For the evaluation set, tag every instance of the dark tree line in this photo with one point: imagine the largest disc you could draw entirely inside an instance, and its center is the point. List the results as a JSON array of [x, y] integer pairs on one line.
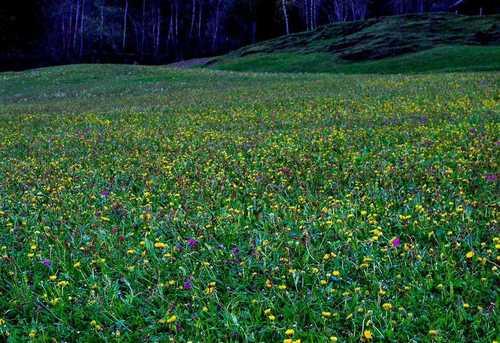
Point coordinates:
[[159, 31]]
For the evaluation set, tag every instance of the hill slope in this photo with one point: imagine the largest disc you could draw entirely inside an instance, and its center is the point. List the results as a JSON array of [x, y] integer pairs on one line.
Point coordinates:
[[419, 43]]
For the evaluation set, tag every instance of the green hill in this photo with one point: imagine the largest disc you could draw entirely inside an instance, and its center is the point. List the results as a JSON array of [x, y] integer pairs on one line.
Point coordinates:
[[410, 43]]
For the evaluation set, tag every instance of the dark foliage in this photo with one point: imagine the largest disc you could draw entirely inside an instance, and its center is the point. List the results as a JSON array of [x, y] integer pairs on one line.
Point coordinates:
[[41, 32]]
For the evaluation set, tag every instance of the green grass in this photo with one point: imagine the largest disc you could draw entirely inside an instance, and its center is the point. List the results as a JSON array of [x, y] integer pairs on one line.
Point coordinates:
[[439, 60], [152, 204], [400, 44]]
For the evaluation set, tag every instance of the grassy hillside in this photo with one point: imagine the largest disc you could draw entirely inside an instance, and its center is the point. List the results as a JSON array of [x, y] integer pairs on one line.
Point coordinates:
[[411, 43], [152, 204], [438, 60]]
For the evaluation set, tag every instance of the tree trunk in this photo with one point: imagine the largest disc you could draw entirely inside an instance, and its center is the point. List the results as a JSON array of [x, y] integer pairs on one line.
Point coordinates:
[[125, 14], [176, 7], [75, 29], [63, 28], [200, 17], [101, 27], [143, 36], [216, 28], [170, 27], [82, 28], [285, 16], [193, 17], [158, 31], [70, 28]]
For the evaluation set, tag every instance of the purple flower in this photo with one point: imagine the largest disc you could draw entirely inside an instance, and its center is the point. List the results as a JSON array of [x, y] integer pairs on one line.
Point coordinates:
[[192, 243], [491, 177], [105, 193], [188, 284], [235, 251], [46, 262], [396, 242]]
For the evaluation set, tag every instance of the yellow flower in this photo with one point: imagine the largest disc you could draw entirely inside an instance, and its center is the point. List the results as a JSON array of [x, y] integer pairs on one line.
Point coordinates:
[[2, 321], [32, 334], [326, 314], [282, 287], [336, 273], [387, 306], [77, 265], [209, 290], [433, 333], [466, 305], [53, 277], [271, 317], [160, 245], [290, 332], [367, 335], [171, 319], [267, 311], [333, 339], [470, 254]]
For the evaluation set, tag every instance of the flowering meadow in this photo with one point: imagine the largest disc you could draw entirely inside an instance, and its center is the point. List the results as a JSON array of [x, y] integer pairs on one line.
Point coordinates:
[[146, 204]]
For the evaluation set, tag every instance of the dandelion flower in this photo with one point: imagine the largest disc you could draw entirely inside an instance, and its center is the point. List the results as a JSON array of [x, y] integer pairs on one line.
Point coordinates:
[[367, 335], [433, 333], [160, 245]]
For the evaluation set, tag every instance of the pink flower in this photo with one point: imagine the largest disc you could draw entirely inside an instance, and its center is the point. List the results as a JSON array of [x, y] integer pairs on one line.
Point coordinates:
[[396, 242], [192, 243], [491, 177]]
